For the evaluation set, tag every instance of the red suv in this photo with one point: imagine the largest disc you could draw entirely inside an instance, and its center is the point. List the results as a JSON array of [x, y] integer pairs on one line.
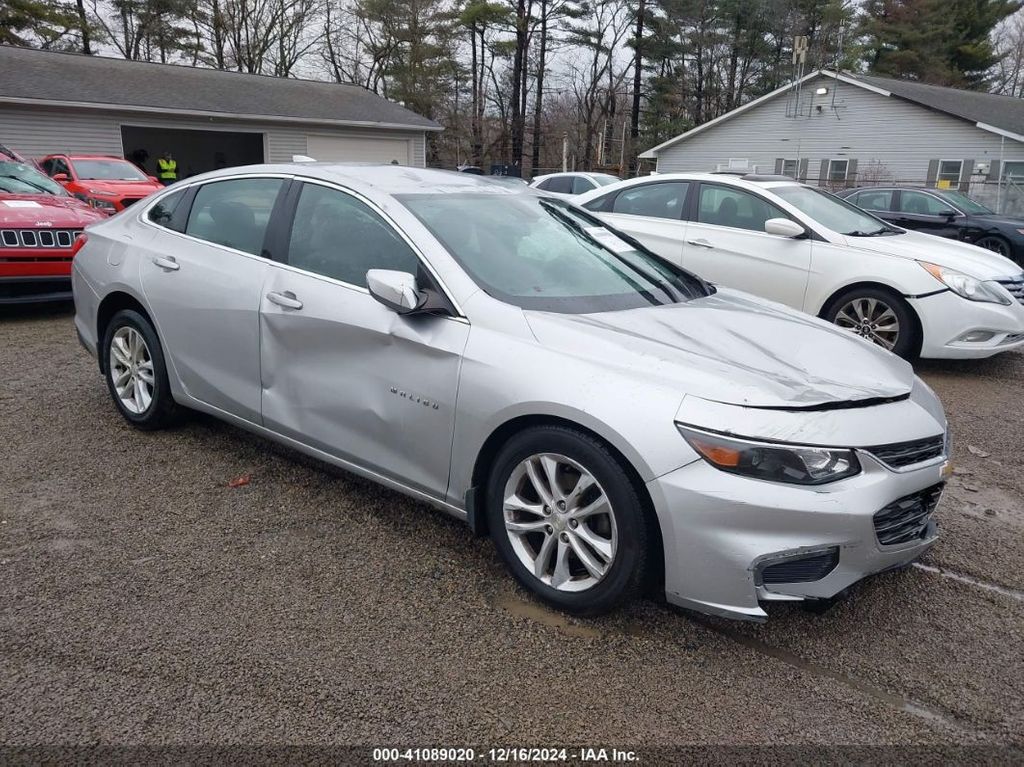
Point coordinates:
[[40, 231], [109, 184]]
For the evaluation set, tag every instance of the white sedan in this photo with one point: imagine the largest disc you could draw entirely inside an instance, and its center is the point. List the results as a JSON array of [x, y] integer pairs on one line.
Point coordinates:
[[571, 183], [913, 294]]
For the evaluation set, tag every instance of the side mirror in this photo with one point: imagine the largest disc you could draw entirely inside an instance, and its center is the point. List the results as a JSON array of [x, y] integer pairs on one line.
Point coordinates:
[[61, 177], [396, 290], [948, 214], [784, 227], [154, 179]]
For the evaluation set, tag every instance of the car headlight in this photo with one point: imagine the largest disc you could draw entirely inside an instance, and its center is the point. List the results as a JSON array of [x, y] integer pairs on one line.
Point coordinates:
[[966, 286], [773, 462], [99, 204]]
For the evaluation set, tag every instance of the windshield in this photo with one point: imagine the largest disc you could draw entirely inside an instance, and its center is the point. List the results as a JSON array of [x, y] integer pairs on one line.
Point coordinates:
[[19, 178], [604, 179], [541, 253], [108, 170], [966, 204], [832, 212]]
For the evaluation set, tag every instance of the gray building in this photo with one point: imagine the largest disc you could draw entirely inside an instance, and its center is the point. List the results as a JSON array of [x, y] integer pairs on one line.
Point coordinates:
[[838, 130], [69, 103]]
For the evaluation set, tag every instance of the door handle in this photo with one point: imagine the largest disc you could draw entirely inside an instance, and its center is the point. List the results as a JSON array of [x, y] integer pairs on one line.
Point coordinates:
[[286, 299], [700, 243], [167, 263]]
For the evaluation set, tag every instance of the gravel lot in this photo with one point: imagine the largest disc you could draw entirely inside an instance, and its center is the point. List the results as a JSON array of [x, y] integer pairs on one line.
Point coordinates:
[[145, 601]]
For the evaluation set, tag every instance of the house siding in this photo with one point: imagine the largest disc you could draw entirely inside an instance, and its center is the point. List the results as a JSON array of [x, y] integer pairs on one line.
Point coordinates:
[[893, 141], [36, 131]]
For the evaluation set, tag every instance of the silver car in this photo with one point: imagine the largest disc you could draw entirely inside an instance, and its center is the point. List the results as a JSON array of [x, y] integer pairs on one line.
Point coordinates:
[[613, 422]]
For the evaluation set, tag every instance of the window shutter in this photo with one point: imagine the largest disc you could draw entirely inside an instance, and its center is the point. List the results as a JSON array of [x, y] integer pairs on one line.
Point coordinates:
[[966, 170], [933, 173], [851, 171], [993, 170], [823, 174], [802, 172], [778, 166]]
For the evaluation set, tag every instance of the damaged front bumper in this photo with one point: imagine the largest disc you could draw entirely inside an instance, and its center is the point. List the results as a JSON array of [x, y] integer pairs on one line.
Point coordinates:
[[732, 542]]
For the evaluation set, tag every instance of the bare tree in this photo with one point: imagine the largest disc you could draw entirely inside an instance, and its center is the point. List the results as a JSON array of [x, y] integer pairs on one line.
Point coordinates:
[[1008, 77]]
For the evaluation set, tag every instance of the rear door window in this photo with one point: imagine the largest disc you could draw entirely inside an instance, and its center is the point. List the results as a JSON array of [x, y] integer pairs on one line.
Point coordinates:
[[234, 213], [559, 184], [659, 200], [873, 200]]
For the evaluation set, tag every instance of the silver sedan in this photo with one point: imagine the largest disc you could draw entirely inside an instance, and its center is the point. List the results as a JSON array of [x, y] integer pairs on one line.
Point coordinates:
[[614, 423]]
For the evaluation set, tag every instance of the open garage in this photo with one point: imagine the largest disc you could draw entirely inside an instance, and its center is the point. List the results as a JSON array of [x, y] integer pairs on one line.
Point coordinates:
[[69, 103], [195, 150]]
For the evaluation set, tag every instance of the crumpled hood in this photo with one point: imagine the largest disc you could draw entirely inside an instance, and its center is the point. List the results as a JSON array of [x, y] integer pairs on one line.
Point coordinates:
[[45, 210], [970, 259], [731, 348]]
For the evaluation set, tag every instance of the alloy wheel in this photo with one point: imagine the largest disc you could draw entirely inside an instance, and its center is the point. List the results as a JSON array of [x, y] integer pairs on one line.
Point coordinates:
[[131, 370], [872, 319], [995, 245], [560, 522]]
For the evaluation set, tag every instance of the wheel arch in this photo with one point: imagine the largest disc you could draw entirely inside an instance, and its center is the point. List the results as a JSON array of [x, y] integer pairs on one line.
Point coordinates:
[[477, 517], [871, 284], [112, 303]]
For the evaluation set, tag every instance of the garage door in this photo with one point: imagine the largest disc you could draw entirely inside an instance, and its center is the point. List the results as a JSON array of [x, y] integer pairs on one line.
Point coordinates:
[[356, 149]]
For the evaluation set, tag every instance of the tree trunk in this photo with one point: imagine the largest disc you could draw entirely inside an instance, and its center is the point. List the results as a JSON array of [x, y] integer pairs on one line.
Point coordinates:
[[476, 145], [517, 108], [638, 80], [83, 23], [539, 101]]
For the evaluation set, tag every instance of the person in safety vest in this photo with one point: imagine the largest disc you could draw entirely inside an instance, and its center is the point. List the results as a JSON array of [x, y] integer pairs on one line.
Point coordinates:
[[168, 168]]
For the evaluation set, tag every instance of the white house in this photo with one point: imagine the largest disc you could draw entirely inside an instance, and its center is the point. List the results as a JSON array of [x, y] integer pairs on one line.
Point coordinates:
[[839, 129]]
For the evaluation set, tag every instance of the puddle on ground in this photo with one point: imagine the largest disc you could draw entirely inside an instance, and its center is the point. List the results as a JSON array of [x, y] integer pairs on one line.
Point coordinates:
[[545, 617], [1004, 590]]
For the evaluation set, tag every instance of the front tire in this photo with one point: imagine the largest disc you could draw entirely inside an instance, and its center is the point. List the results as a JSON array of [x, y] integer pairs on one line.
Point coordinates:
[[996, 244], [136, 372], [881, 316], [568, 521]]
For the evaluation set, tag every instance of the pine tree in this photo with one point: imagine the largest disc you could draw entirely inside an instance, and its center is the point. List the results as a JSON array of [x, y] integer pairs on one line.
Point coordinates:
[[943, 42], [37, 23]]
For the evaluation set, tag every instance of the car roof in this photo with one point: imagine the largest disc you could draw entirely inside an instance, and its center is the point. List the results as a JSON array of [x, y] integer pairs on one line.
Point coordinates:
[[893, 187], [386, 179], [751, 182], [570, 173]]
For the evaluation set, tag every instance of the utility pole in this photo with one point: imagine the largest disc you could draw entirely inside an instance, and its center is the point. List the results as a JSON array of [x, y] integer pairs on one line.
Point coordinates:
[[565, 151]]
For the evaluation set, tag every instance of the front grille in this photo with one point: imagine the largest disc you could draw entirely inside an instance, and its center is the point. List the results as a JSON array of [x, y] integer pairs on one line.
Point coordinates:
[[906, 518], [1015, 285], [129, 201], [38, 238], [901, 454], [813, 567]]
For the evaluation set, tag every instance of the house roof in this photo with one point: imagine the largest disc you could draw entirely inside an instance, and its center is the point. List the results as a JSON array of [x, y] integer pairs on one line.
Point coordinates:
[[44, 77], [1003, 112], [1003, 115]]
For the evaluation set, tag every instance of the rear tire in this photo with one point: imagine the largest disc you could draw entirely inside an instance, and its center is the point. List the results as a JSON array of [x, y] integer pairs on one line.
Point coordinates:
[[136, 372], [568, 521], [881, 316]]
